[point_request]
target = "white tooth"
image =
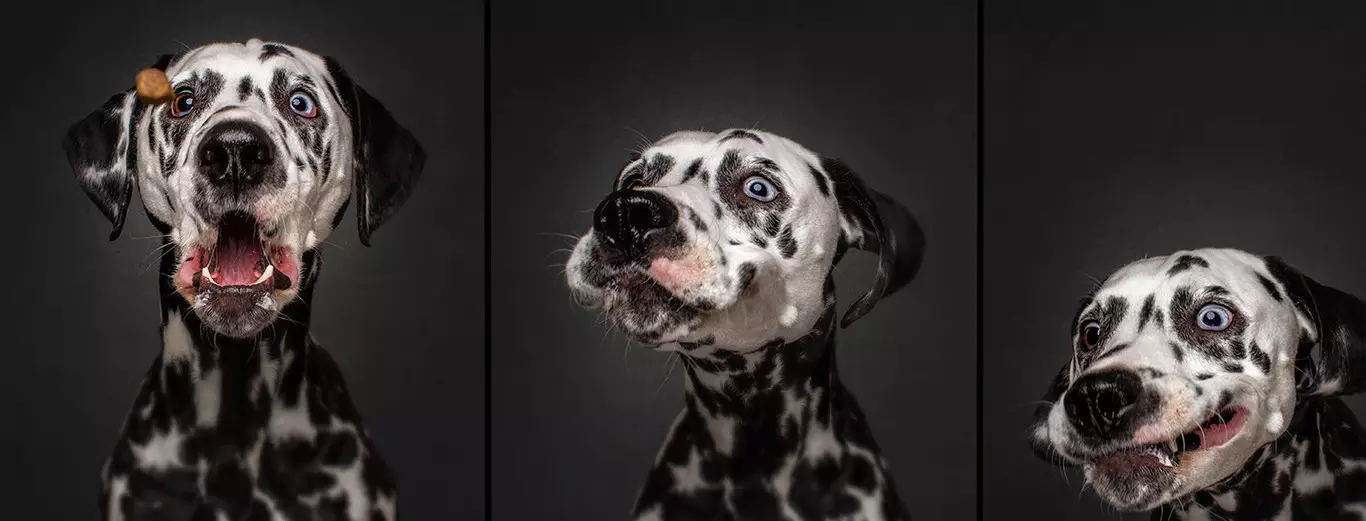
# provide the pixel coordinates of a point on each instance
(265, 275)
(1171, 444)
(205, 273)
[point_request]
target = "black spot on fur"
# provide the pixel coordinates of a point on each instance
(1186, 262)
(1145, 313)
(244, 88)
(772, 224)
(787, 244)
(821, 182)
(271, 50)
(1270, 287)
(742, 134)
(1261, 358)
(691, 171)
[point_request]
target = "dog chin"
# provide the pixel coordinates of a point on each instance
(1131, 489)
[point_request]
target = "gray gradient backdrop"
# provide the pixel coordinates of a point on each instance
(578, 415)
(1121, 130)
(400, 318)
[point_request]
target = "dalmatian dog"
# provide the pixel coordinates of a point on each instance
(246, 172)
(720, 247)
(1205, 385)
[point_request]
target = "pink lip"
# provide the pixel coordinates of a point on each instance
(1217, 434)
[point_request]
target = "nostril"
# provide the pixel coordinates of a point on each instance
(257, 154)
(213, 155)
(1112, 404)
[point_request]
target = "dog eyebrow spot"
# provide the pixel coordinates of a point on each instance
(742, 134)
(244, 88)
(1204, 376)
(656, 168)
(1186, 262)
(1270, 287)
(692, 170)
(271, 50)
(1146, 312)
(729, 164)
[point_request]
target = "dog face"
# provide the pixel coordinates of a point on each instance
(1184, 365)
(728, 239)
(247, 170)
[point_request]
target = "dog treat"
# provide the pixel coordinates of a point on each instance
(153, 87)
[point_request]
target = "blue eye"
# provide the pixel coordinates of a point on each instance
(1214, 317)
(302, 104)
(760, 189)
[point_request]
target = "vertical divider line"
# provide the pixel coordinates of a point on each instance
(488, 260)
(981, 258)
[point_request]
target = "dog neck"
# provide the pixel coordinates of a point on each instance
(185, 339)
(1315, 470)
(769, 427)
(762, 404)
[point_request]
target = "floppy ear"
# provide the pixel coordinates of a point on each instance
(873, 222)
(1038, 432)
(388, 159)
(102, 151)
(1331, 360)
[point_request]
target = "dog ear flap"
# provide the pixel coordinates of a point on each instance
(1038, 432)
(102, 152)
(1331, 360)
(388, 160)
(873, 222)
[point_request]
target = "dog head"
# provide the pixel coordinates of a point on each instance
(246, 171)
(729, 238)
(1184, 366)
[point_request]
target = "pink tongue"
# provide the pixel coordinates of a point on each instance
(236, 261)
(1219, 434)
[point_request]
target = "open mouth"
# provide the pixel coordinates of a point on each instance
(1215, 431)
(240, 259)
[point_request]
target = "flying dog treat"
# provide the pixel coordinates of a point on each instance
(153, 87)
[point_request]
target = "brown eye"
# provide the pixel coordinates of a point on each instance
(182, 105)
(1090, 335)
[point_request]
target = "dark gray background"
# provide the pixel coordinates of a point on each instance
(578, 415)
(1128, 129)
(404, 319)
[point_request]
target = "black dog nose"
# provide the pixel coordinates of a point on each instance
(236, 155)
(625, 219)
(1100, 405)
